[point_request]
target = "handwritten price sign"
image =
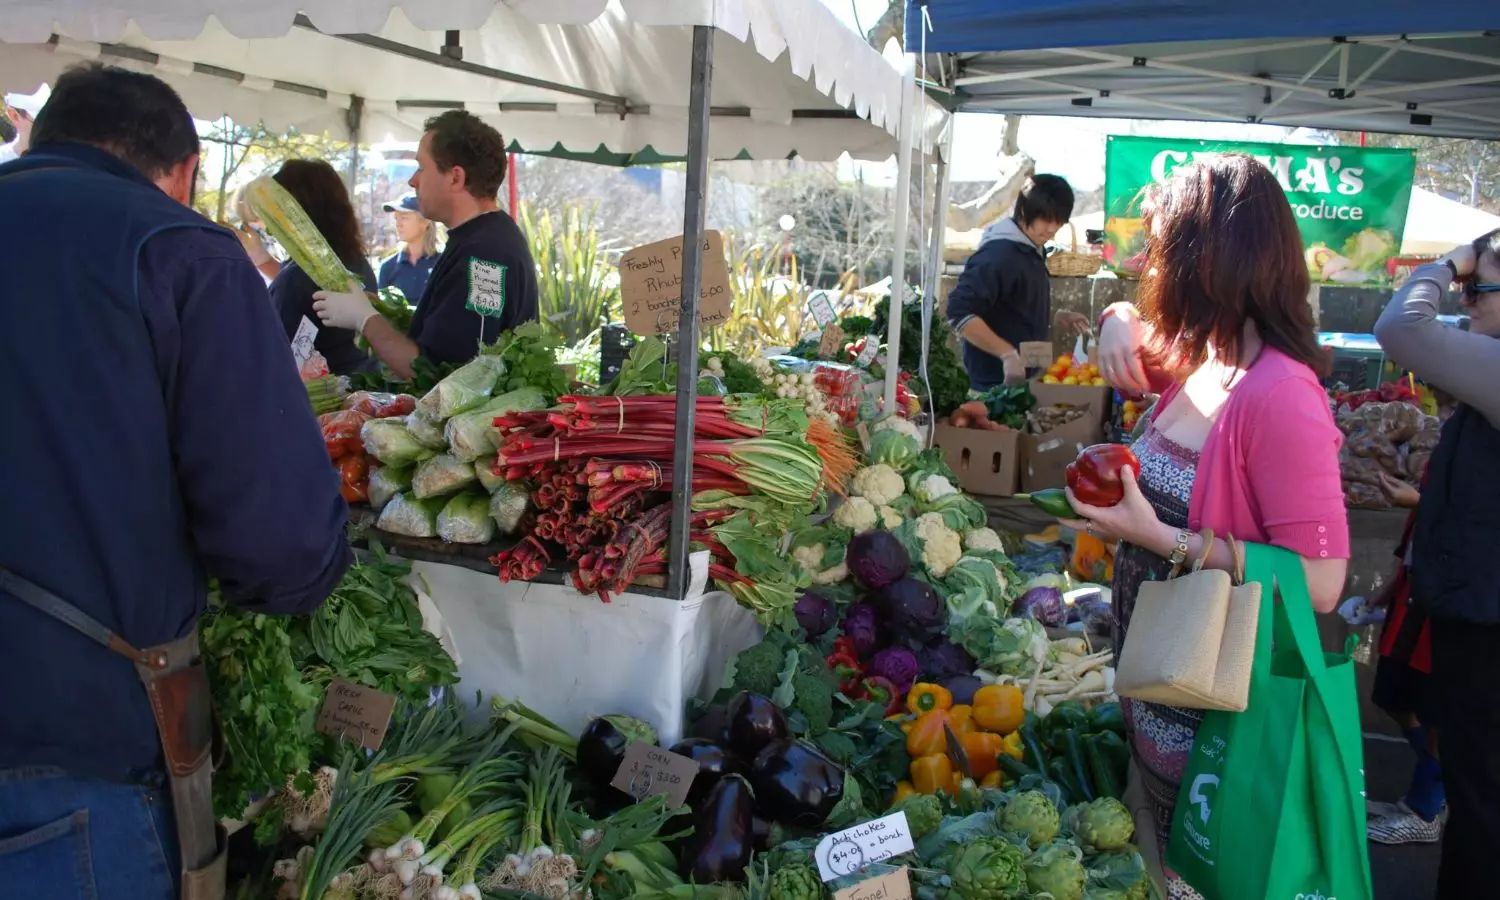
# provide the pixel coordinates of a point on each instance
(648, 769)
(851, 850)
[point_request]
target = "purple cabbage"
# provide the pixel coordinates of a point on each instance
(863, 626)
(876, 558)
(1095, 613)
(815, 613)
(896, 663)
(942, 659)
(1045, 604)
(912, 610)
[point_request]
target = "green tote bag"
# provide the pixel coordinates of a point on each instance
(1272, 801)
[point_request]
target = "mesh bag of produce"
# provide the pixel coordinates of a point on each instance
(388, 441)
(409, 517)
(440, 475)
(386, 482)
(468, 387)
(466, 519)
(484, 470)
(427, 432)
(508, 505)
(473, 434)
(294, 231)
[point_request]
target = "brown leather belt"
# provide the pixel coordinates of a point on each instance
(176, 682)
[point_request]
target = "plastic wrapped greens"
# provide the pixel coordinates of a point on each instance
(484, 470)
(427, 432)
(440, 475)
(386, 482)
(473, 434)
(388, 441)
(508, 504)
(409, 517)
(466, 519)
(467, 388)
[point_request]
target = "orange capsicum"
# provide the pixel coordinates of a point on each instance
(1000, 708)
(932, 773)
(904, 789)
(982, 748)
(928, 733)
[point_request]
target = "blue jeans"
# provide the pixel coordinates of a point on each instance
(66, 838)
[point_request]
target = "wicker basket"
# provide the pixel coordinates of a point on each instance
(1071, 263)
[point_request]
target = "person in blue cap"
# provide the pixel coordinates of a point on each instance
(410, 266)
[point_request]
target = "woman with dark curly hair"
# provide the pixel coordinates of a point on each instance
(1241, 442)
(317, 187)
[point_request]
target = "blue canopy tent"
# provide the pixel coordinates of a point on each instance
(1355, 65)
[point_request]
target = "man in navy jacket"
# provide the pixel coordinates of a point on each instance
(158, 436)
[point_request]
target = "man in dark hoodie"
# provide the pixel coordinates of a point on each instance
(1004, 296)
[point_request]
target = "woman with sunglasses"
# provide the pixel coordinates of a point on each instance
(1454, 569)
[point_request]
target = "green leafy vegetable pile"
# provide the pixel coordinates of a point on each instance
(946, 378)
(268, 673)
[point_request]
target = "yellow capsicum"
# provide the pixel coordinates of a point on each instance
(932, 773)
(995, 780)
(925, 698)
(1012, 747)
(1000, 708)
(904, 789)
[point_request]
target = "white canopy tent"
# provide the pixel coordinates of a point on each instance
(579, 75)
(622, 76)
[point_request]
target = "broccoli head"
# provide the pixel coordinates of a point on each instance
(758, 669)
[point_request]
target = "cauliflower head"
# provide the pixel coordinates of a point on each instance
(809, 556)
(983, 539)
(942, 548)
(1030, 815)
(900, 426)
(933, 488)
(831, 575)
(856, 513)
(890, 518)
(880, 484)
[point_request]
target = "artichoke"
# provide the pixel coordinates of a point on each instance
(1101, 826)
(1057, 869)
(988, 868)
(1030, 815)
(924, 813)
(795, 883)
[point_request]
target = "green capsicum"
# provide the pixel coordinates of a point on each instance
(1052, 501)
(1107, 717)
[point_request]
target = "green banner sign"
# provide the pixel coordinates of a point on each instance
(1350, 202)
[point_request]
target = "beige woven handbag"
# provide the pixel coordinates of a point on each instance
(1192, 638)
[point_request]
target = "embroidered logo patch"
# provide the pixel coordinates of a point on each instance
(486, 288)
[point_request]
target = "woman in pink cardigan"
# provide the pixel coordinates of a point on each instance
(1242, 440)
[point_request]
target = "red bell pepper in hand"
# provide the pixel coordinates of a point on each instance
(1094, 476)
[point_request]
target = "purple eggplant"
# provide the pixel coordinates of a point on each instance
(714, 762)
(754, 722)
(723, 834)
(601, 747)
(713, 724)
(796, 784)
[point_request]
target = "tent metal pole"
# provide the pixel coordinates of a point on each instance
(909, 125)
(355, 117)
(939, 217)
(700, 91)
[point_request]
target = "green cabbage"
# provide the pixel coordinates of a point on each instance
(893, 448)
(389, 441)
(508, 505)
(466, 520)
(441, 475)
(465, 389)
(473, 434)
(1016, 647)
(409, 517)
(386, 482)
(426, 431)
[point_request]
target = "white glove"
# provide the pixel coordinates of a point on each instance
(344, 309)
(1015, 370)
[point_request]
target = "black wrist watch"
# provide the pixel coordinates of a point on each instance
(1451, 268)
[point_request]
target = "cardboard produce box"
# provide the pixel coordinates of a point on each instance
(988, 463)
(1045, 457)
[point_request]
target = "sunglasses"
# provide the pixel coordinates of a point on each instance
(1475, 289)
